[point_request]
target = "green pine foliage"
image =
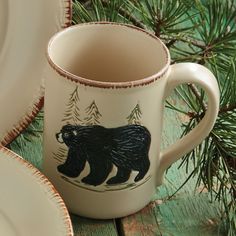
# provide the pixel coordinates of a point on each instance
(195, 31)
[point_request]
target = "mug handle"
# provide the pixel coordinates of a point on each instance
(190, 73)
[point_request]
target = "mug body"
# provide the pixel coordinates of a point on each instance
(103, 117)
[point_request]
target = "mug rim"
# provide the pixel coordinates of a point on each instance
(102, 84)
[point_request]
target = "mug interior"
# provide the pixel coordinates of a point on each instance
(108, 52)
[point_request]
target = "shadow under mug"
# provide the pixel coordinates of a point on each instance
(104, 102)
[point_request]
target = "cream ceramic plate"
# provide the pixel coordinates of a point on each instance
(29, 204)
(25, 28)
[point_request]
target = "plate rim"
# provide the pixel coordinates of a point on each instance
(38, 102)
(42, 180)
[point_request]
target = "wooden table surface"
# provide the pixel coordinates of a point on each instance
(186, 213)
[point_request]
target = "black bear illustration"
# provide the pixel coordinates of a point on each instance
(125, 147)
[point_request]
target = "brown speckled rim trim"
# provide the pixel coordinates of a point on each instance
(68, 14)
(42, 180)
(39, 101)
(113, 85)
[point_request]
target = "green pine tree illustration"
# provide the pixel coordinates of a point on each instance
(71, 116)
(72, 113)
(93, 114)
(135, 115)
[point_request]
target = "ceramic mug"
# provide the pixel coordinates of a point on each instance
(104, 102)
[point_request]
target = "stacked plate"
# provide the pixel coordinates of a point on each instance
(29, 204)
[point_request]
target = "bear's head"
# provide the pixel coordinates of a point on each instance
(69, 135)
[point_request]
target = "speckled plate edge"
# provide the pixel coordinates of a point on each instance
(43, 181)
(38, 103)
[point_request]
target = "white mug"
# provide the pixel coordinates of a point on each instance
(104, 102)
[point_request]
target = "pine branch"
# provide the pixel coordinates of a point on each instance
(198, 96)
(127, 15)
(228, 108)
(203, 32)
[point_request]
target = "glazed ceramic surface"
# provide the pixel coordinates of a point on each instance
(104, 104)
(25, 28)
(29, 204)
